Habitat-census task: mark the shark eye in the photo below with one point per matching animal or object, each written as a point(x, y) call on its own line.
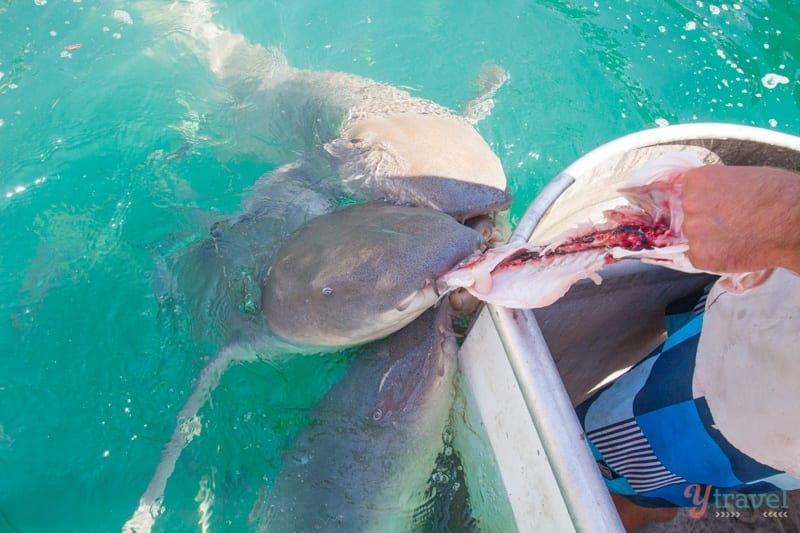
point(327, 291)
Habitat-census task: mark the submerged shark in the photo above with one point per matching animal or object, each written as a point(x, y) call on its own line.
point(373, 139)
point(352, 136)
point(364, 462)
point(373, 285)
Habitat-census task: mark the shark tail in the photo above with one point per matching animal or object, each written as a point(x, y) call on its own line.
point(228, 55)
point(491, 78)
point(186, 429)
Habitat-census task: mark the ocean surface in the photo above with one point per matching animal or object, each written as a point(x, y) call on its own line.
point(116, 150)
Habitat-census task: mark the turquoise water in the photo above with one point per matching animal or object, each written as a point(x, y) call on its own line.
point(119, 150)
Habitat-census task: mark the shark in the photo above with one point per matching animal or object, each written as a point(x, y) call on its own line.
point(349, 137)
point(364, 462)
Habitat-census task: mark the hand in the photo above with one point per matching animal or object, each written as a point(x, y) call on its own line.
point(742, 219)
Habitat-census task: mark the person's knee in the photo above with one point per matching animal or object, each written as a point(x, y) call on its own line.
point(635, 517)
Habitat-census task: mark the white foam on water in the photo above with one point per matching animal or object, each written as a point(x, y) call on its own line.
point(772, 80)
point(122, 16)
point(205, 499)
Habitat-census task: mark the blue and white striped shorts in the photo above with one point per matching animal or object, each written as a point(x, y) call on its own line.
point(652, 438)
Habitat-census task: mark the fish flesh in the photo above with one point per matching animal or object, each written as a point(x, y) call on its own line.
point(649, 228)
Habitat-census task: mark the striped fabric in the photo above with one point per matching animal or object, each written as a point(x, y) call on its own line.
point(626, 450)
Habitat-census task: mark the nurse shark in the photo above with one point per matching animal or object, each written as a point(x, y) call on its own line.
point(352, 135)
point(373, 139)
point(361, 273)
point(364, 462)
point(372, 289)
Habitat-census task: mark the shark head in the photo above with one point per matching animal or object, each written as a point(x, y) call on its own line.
point(361, 273)
point(422, 357)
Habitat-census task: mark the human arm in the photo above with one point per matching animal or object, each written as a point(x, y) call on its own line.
point(742, 219)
